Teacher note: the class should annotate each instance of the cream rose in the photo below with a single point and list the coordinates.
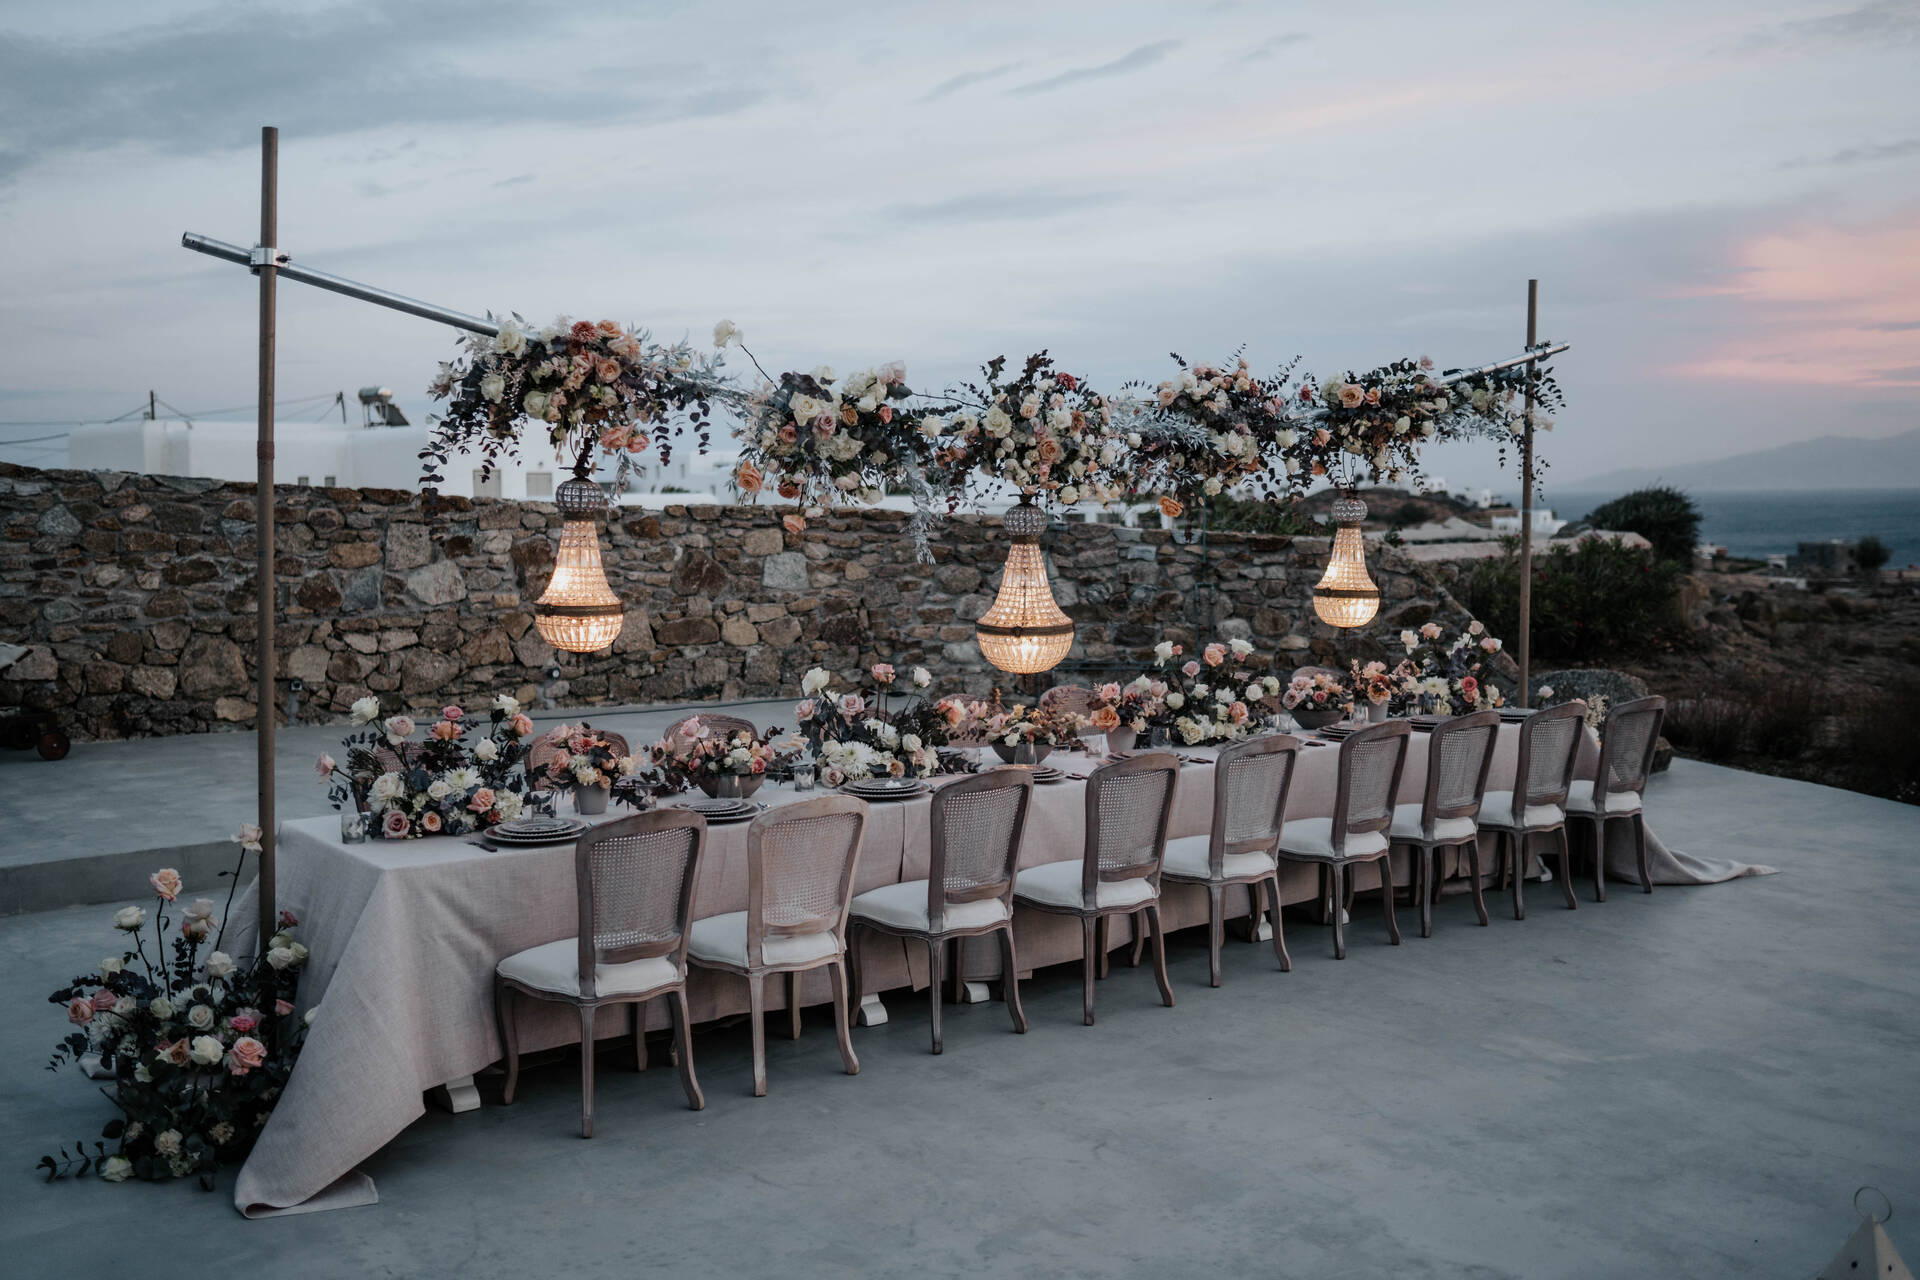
(206, 1050)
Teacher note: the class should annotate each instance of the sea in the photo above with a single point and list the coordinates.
(1757, 524)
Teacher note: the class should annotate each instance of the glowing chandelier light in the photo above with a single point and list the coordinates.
(578, 611)
(1345, 596)
(1025, 632)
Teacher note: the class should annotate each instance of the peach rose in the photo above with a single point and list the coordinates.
(788, 488)
(1171, 508)
(1352, 396)
(430, 822)
(1106, 719)
(749, 478)
(1215, 654)
(79, 1011)
(520, 725)
(793, 524)
(483, 800)
(444, 731)
(166, 883)
(246, 1054)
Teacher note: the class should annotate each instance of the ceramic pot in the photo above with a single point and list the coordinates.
(1025, 753)
(1120, 740)
(588, 801)
(1308, 718)
(731, 786)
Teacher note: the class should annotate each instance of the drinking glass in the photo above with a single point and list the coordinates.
(353, 827)
(803, 775)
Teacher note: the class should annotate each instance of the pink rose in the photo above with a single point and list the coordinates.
(521, 726)
(246, 1054)
(245, 1020)
(451, 713)
(326, 764)
(483, 800)
(1373, 396)
(430, 822)
(282, 1008)
(558, 737)
(79, 1011)
(757, 765)
(398, 727)
(395, 825)
(1470, 687)
(852, 704)
(166, 883)
(1191, 669)
(1237, 712)
(1110, 693)
(287, 919)
(803, 710)
(1319, 695)
(104, 1000)
(1215, 654)
(883, 673)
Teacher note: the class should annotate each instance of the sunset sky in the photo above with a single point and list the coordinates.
(1722, 200)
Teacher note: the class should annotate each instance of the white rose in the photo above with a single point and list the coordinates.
(1255, 693)
(206, 1050)
(388, 787)
(125, 1006)
(280, 957)
(1241, 648)
(200, 1018)
(508, 803)
(998, 423)
(161, 1008)
(492, 387)
(366, 710)
(219, 964)
(486, 751)
(438, 789)
(1163, 651)
(116, 1169)
(1176, 700)
(921, 677)
(814, 681)
(725, 332)
(1475, 627)
(111, 965)
(129, 918)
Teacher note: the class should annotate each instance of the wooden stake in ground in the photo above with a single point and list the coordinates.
(263, 714)
(1526, 499)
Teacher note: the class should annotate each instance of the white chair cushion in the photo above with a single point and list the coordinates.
(724, 939)
(1406, 826)
(1580, 800)
(904, 906)
(1496, 810)
(1313, 838)
(1187, 856)
(1058, 884)
(555, 967)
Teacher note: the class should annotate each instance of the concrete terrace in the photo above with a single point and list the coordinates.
(1691, 1083)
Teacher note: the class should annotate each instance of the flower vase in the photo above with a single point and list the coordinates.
(588, 801)
(1157, 737)
(731, 786)
(1376, 712)
(1026, 753)
(1120, 741)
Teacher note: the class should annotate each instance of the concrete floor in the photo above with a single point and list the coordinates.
(1691, 1083)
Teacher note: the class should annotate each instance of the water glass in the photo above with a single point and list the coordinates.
(353, 827)
(803, 775)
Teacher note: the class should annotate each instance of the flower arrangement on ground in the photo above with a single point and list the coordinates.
(198, 1043)
(1042, 431)
(581, 382)
(1209, 428)
(1445, 677)
(697, 755)
(860, 734)
(816, 441)
(438, 783)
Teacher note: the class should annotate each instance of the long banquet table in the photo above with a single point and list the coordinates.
(404, 936)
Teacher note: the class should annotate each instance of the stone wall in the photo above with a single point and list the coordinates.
(135, 595)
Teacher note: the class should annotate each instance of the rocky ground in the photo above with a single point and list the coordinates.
(1820, 686)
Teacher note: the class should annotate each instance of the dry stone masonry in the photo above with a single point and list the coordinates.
(135, 597)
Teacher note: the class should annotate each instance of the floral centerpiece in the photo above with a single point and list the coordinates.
(589, 765)
(1042, 431)
(198, 1043)
(860, 734)
(1025, 734)
(438, 783)
(816, 440)
(1209, 428)
(1316, 698)
(1210, 698)
(1445, 677)
(699, 757)
(581, 382)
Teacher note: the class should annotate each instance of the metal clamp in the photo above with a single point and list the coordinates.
(264, 256)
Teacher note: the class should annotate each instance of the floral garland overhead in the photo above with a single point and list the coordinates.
(815, 439)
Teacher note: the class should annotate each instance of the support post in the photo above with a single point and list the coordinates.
(1526, 501)
(264, 590)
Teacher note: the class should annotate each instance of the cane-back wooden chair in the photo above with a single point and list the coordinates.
(1369, 778)
(1459, 754)
(1627, 743)
(1535, 805)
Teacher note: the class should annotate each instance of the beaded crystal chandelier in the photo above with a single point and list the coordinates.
(1025, 632)
(1345, 596)
(578, 611)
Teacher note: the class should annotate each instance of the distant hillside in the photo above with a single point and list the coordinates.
(1830, 462)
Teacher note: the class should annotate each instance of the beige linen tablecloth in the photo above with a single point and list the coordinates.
(405, 934)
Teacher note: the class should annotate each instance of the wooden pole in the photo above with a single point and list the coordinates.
(1526, 501)
(263, 716)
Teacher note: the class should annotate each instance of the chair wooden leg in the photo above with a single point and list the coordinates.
(1089, 963)
(842, 1022)
(1160, 956)
(1423, 861)
(1566, 868)
(1338, 895)
(1102, 939)
(1256, 907)
(1010, 981)
(1473, 871)
(1216, 931)
(509, 1037)
(853, 964)
(586, 1070)
(638, 1018)
(1386, 896)
(1597, 829)
(1640, 853)
(1279, 934)
(683, 1046)
(757, 1005)
(1347, 904)
(1517, 858)
(959, 969)
(793, 1006)
(1138, 924)
(936, 960)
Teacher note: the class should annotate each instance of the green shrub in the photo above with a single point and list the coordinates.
(1871, 554)
(1593, 599)
(1664, 516)
(1228, 514)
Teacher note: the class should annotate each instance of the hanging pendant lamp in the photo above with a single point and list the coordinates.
(1025, 631)
(1345, 595)
(579, 612)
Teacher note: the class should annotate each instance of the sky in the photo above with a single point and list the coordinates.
(1720, 200)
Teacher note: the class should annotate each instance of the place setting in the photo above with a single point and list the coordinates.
(721, 811)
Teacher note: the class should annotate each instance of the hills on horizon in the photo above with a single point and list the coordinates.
(1829, 462)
